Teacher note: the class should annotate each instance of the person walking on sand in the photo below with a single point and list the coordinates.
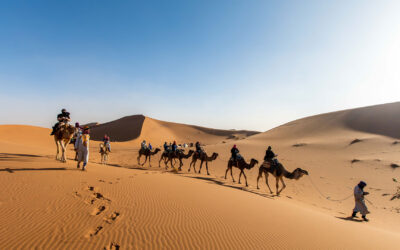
(359, 200)
(83, 148)
(77, 135)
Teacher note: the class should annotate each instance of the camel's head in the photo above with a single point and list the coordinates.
(157, 150)
(214, 155)
(298, 173)
(253, 162)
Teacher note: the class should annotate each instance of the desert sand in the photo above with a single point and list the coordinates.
(46, 204)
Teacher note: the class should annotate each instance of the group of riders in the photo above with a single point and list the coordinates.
(64, 117)
(269, 157)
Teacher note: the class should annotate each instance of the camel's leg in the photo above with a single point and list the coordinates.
(240, 176)
(190, 165)
(166, 162)
(149, 161)
(63, 151)
(277, 185)
(226, 172)
(66, 142)
(284, 185)
(208, 173)
(170, 160)
(159, 162)
(266, 181)
(232, 175)
(145, 160)
(245, 178)
(258, 177)
(138, 159)
(201, 165)
(58, 149)
(180, 165)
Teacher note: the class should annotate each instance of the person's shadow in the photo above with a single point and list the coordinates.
(349, 218)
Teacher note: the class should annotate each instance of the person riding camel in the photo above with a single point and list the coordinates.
(166, 148)
(63, 118)
(106, 141)
(199, 150)
(174, 147)
(143, 145)
(270, 156)
(234, 152)
(150, 147)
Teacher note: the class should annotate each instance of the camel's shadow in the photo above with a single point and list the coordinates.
(216, 181)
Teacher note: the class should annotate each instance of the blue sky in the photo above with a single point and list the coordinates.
(223, 64)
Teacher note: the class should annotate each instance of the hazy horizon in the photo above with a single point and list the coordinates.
(220, 64)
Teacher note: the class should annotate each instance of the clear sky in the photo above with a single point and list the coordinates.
(224, 64)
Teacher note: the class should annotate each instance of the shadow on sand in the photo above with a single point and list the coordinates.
(222, 183)
(12, 170)
(349, 218)
(16, 157)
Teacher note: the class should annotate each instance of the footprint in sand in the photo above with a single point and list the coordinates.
(112, 246)
(93, 232)
(100, 196)
(102, 181)
(91, 188)
(111, 218)
(98, 210)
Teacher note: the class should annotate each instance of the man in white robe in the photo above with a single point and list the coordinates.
(83, 148)
(359, 200)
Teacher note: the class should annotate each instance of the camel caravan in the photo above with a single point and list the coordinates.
(64, 133)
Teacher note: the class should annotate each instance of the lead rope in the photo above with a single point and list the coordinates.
(327, 197)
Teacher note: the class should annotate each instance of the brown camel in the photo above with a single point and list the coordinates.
(147, 153)
(203, 158)
(279, 171)
(240, 164)
(104, 151)
(179, 155)
(62, 137)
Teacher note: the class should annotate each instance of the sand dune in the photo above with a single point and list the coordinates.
(139, 127)
(47, 204)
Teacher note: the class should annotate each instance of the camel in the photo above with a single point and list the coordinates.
(62, 137)
(203, 158)
(147, 153)
(279, 171)
(164, 156)
(179, 154)
(104, 151)
(240, 164)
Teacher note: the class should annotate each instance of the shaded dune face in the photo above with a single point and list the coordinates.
(124, 129)
(379, 119)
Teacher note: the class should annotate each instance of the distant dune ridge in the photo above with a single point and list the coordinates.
(381, 119)
(141, 127)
